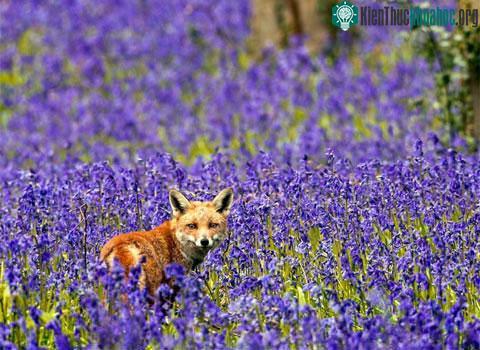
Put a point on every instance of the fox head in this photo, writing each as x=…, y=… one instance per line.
x=200, y=226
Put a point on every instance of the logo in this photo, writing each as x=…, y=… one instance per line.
x=344, y=15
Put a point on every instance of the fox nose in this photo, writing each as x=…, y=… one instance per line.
x=204, y=242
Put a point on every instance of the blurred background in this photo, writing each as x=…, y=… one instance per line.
x=88, y=81
x=353, y=155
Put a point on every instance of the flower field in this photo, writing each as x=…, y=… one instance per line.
x=353, y=225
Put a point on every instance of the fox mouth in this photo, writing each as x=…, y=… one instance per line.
x=203, y=248
x=194, y=246
x=195, y=251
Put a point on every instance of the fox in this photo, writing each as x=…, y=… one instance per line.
x=194, y=229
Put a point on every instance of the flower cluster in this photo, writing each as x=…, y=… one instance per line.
x=347, y=231
x=375, y=255
x=90, y=81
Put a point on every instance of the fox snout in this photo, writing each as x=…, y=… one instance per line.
x=205, y=241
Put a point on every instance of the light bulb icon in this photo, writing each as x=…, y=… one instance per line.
x=344, y=15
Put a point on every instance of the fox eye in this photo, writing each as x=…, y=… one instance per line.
x=213, y=225
x=192, y=226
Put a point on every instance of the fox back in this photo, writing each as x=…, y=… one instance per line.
x=194, y=230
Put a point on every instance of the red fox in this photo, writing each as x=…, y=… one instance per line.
x=195, y=229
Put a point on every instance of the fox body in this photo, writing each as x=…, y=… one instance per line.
x=195, y=229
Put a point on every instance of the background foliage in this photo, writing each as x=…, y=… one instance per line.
x=356, y=218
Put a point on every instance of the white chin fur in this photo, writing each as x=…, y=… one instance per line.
x=183, y=239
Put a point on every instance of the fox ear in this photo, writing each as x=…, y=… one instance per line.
x=223, y=201
x=178, y=202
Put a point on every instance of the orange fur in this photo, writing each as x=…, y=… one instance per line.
x=159, y=246
x=182, y=240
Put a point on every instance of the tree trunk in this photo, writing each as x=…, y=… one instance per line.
x=473, y=67
x=475, y=94
x=297, y=26
x=275, y=21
